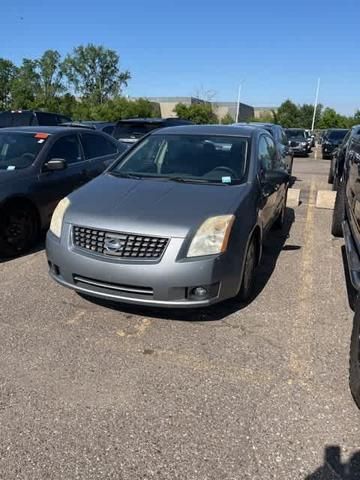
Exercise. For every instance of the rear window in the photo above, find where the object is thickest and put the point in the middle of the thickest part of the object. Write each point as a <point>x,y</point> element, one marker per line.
<point>16,119</point>
<point>337,134</point>
<point>97,145</point>
<point>134,130</point>
<point>19,150</point>
<point>295,133</point>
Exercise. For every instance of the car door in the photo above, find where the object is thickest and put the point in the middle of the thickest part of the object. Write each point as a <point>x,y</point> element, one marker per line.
<point>55,185</point>
<point>269,190</point>
<point>339,158</point>
<point>100,151</point>
<point>353,186</point>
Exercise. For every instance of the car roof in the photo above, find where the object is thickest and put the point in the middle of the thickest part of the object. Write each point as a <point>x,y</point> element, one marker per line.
<point>259,124</point>
<point>296,128</point>
<point>226,130</point>
<point>44,129</point>
<point>337,129</point>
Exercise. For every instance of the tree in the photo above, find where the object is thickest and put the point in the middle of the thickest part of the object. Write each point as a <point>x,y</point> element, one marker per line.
<point>93,72</point>
<point>227,119</point>
<point>200,113</point>
<point>7,75</point>
<point>331,119</point>
<point>306,113</point>
<point>50,79</point>
<point>288,115</point>
<point>25,86</point>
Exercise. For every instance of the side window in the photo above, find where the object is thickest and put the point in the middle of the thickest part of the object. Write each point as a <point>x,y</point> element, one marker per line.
<point>284,139</point>
<point>264,155</point>
<point>97,146</point>
<point>68,148</point>
<point>46,119</point>
<point>109,129</point>
<point>273,154</point>
<point>345,142</point>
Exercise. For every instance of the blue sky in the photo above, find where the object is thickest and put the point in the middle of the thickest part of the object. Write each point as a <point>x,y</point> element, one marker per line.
<point>276,48</point>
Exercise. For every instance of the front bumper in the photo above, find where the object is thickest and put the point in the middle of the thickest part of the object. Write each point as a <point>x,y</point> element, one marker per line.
<point>300,150</point>
<point>352,256</point>
<point>165,283</point>
<point>327,150</point>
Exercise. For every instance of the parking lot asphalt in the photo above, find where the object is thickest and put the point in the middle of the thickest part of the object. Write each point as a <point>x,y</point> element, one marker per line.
<point>97,391</point>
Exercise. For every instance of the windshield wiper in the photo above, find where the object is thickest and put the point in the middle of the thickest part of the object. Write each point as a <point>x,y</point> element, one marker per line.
<point>125,175</point>
<point>195,180</point>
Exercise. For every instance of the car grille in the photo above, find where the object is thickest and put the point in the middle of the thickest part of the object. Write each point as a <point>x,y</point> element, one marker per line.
<point>120,245</point>
<point>294,144</point>
<point>86,282</point>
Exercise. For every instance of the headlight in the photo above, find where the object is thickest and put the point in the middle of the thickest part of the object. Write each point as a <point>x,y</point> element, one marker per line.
<point>303,144</point>
<point>58,215</point>
<point>212,237</point>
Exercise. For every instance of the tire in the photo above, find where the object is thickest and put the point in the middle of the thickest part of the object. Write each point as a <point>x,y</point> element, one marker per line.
<point>339,213</point>
<point>354,366</point>
<point>19,229</point>
<point>330,177</point>
<point>247,283</point>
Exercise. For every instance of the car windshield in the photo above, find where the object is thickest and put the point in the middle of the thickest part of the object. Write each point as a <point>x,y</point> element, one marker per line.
<point>336,134</point>
<point>296,134</point>
<point>19,150</point>
<point>134,129</point>
<point>187,158</point>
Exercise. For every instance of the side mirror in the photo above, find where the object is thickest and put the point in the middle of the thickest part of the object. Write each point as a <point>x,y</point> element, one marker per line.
<point>271,181</point>
<point>55,164</point>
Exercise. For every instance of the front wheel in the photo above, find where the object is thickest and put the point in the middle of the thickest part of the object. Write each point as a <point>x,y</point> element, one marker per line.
<point>247,285</point>
<point>18,230</point>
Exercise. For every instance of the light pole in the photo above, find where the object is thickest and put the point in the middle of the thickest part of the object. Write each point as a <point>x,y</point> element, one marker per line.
<point>238,104</point>
<point>316,104</point>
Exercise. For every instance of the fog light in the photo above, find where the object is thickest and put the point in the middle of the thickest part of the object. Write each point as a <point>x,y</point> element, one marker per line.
<point>199,292</point>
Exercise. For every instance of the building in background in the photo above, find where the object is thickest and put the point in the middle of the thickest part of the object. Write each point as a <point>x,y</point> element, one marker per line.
<point>260,112</point>
<point>221,109</point>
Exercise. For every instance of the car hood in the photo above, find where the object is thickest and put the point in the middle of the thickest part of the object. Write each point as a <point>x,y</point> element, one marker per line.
<point>151,207</point>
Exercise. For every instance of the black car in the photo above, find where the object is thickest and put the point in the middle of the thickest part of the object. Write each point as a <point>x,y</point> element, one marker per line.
<point>278,133</point>
<point>23,118</point>
<point>346,222</point>
<point>38,167</point>
<point>332,139</point>
<point>298,141</point>
<point>339,155</point>
<point>131,130</point>
<point>106,127</point>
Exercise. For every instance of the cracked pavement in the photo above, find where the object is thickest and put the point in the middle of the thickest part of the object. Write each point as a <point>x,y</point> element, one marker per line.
<point>90,390</point>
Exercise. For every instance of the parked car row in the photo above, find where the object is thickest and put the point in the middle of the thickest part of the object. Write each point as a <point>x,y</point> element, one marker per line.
<point>346,223</point>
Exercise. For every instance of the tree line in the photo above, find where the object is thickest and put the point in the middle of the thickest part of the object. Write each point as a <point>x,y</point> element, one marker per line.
<point>86,84</point>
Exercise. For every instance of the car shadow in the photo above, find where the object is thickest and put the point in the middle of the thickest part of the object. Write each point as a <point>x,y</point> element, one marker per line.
<point>334,469</point>
<point>40,246</point>
<point>350,290</point>
<point>273,246</point>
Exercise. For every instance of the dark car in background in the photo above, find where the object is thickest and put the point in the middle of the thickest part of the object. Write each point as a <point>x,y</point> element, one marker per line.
<point>346,222</point>
<point>38,167</point>
<point>131,130</point>
<point>298,141</point>
<point>179,221</point>
<point>278,133</point>
<point>23,118</point>
<point>339,156</point>
<point>331,140</point>
<point>106,127</point>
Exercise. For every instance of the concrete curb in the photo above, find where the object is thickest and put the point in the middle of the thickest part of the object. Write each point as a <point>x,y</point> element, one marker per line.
<point>293,197</point>
<point>325,199</point>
